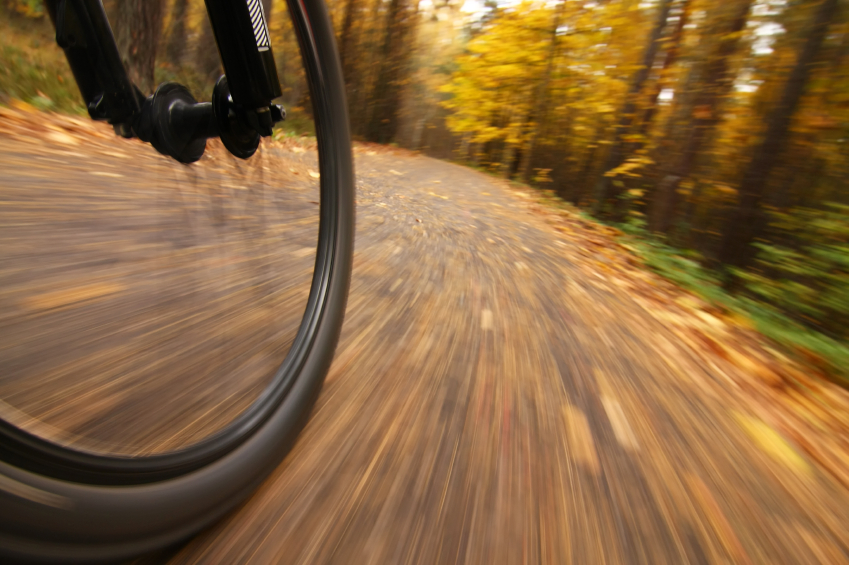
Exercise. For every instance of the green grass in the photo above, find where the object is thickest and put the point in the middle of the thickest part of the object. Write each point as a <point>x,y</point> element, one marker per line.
<point>685,269</point>
<point>297,124</point>
<point>33,68</point>
<point>689,274</point>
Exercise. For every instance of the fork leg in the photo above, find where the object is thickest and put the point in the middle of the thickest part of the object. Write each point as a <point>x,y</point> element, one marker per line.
<point>245,48</point>
<point>84,34</point>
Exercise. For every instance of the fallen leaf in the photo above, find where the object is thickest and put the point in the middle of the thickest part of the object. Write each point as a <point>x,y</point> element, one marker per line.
<point>771,442</point>
<point>486,320</point>
<point>21,105</point>
<point>579,438</point>
<point>619,422</point>
<point>62,138</point>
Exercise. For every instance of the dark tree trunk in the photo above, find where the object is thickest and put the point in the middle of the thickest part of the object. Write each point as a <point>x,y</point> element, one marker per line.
<point>347,41</point>
<point>746,221</point>
<point>368,67</point>
<point>672,46</point>
<point>578,188</point>
<point>670,58</point>
<point>137,30</point>
<point>386,99</point>
<point>175,40</point>
<point>207,60</point>
<point>711,82</point>
<point>348,50</point>
<point>616,156</point>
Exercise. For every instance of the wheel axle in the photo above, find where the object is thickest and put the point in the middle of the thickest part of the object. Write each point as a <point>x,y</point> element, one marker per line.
<point>177,125</point>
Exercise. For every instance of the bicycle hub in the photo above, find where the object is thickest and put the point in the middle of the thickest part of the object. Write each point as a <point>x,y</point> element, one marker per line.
<point>177,125</point>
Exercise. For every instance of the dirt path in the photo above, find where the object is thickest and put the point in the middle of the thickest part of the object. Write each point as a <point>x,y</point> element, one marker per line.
<point>500,397</point>
<point>510,386</point>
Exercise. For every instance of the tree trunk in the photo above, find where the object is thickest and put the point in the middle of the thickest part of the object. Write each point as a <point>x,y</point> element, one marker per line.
<point>508,155</point>
<point>348,54</point>
<point>540,108</point>
<point>386,100</point>
<point>672,45</point>
<point>206,54</point>
<point>714,83</point>
<point>347,41</point>
<point>175,41</point>
<point>137,31</point>
<point>576,193</point>
<point>616,155</point>
<point>746,221</point>
<point>368,68</point>
<point>671,57</point>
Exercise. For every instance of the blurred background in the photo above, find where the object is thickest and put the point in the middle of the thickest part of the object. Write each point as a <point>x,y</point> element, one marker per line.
<point>713,131</point>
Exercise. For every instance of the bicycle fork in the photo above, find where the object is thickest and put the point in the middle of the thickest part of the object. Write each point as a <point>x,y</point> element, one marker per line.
<point>171,119</point>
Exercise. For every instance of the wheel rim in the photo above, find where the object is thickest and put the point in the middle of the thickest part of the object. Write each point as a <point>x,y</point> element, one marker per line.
<point>35,454</point>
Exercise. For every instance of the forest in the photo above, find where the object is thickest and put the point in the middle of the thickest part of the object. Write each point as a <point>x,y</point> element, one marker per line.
<point>713,133</point>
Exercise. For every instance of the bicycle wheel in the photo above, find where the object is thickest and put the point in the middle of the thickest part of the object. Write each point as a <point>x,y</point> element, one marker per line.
<point>61,503</point>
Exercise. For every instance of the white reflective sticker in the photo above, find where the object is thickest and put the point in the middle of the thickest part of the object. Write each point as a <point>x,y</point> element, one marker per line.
<point>258,22</point>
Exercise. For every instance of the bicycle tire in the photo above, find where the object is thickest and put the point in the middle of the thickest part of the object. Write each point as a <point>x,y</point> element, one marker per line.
<point>57,504</point>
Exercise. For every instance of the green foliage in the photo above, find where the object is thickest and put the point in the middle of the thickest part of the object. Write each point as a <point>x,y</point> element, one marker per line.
<point>298,123</point>
<point>685,269</point>
<point>807,277</point>
<point>40,79</point>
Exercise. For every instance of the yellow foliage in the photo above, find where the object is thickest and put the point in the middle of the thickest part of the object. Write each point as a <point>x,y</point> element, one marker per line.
<point>492,90</point>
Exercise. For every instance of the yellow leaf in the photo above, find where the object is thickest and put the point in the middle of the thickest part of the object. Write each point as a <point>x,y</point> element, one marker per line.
<point>772,443</point>
<point>21,105</point>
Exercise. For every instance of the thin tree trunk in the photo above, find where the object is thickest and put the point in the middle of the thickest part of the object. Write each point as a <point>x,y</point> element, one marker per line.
<point>381,120</point>
<point>347,41</point>
<point>464,150</point>
<point>348,52</point>
<point>360,102</point>
<point>541,99</point>
<point>616,156</point>
<point>206,55</point>
<point>746,221</point>
<point>175,41</point>
<point>672,45</point>
<point>508,155</point>
<point>671,57</point>
<point>386,100</point>
<point>418,129</point>
<point>576,194</point>
<point>137,31</point>
<point>702,110</point>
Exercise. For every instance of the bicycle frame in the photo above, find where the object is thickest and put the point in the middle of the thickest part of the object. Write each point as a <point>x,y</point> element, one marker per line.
<point>171,119</point>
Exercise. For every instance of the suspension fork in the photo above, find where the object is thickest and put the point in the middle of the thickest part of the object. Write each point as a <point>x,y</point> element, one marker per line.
<point>171,119</point>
